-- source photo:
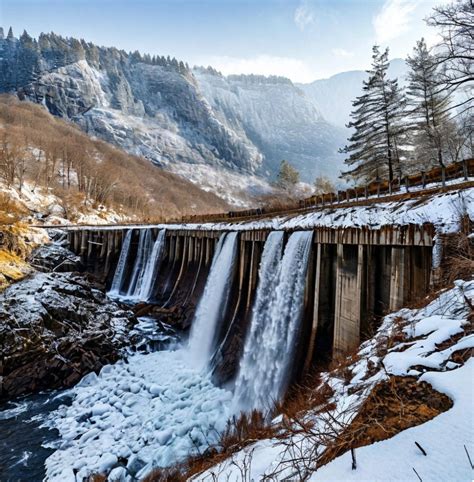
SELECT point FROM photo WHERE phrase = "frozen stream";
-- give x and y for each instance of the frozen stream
(153, 409)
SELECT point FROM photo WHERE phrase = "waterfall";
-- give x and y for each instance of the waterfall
(143, 253)
(213, 302)
(266, 363)
(151, 268)
(117, 282)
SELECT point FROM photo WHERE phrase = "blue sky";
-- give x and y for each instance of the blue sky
(301, 39)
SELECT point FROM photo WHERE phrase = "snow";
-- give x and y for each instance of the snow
(443, 210)
(443, 437)
(154, 409)
(45, 207)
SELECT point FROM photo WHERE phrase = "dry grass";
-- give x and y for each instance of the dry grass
(10, 210)
(393, 405)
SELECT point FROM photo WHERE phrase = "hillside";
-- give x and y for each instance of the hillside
(333, 96)
(53, 169)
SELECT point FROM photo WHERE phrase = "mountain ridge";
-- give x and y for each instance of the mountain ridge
(161, 109)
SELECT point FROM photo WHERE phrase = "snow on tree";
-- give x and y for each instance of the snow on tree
(287, 177)
(323, 185)
(375, 148)
(428, 108)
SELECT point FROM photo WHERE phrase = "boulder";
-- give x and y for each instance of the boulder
(54, 329)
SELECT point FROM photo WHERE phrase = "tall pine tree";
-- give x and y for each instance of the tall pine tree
(428, 107)
(375, 148)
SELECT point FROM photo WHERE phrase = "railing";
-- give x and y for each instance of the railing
(376, 189)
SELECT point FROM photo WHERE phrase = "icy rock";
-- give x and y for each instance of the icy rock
(164, 436)
(135, 463)
(107, 461)
(100, 409)
(155, 389)
(67, 316)
(134, 387)
(119, 474)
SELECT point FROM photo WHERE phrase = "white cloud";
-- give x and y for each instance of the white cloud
(295, 69)
(394, 19)
(339, 52)
(304, 15)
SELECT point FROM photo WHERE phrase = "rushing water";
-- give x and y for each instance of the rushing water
(22, 439)
(269, 347)
(145, 247)
(213, 302)
(152, 267)
(117, 282)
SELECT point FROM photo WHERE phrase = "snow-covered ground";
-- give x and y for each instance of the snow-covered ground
(45, 207)
(446, 438)
(154, 409)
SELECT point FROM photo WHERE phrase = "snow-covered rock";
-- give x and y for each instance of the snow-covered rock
(54, 328)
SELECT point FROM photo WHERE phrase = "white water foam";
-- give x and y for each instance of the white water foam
(117, 282)
(152, 267)
(145, 247)
(213, 303)
(266, 364)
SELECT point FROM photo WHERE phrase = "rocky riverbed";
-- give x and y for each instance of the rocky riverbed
(57, 326)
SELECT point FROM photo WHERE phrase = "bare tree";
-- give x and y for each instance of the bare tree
(455, 52)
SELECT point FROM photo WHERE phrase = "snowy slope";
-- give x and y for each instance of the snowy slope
(443, 437)
(443, 210)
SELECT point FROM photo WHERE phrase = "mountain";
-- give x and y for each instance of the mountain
(276, 117)
(333, 97)
(196, 123)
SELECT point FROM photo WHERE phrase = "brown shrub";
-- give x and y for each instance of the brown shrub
(393, 405)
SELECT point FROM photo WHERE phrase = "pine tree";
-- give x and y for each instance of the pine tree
(287, 177)
(375, 148)
(428, 106)
(10, 35)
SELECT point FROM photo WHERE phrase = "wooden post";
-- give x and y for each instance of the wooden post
(314, 326)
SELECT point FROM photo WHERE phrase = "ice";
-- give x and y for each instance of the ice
(151, 406)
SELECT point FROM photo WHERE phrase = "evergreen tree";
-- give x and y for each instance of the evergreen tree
(10, 35)
(375, 148)
(287, 177)
(428, 106)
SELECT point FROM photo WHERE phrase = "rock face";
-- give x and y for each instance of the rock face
(56, 256)
(162, 110)
(54, 328)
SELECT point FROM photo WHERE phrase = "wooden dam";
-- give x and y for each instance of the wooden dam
(354, 276)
